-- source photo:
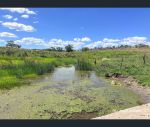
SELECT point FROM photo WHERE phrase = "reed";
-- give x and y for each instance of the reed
(84, 65)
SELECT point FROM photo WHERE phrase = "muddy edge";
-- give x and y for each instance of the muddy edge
(132, 84)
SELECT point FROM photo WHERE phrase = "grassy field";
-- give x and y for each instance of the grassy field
(129, 62)
(133, 62)
(17, 65)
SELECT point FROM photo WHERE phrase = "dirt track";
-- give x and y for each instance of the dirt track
(138, 112)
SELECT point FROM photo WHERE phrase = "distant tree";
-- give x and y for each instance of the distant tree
(141, 45)
(113, 47)
(121, 46)
(69, 48)
(126, 46)
(12, 44)
(85, 49)
(59, 49)
(53, 49)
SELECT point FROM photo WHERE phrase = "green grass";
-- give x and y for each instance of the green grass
(83, 64)
(15, 71)
(132, 65)
(38, 62)
(9, 82)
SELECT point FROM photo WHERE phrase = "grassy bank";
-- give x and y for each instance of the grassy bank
(131, 62)
(16, 71)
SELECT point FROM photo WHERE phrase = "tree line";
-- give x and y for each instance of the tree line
(69, 48)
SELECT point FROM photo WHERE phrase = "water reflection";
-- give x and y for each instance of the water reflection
(65, 77)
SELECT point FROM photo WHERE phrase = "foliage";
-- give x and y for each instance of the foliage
(85, 49)
(14, 71)
(12, 44)
(59, 49)
(83, 64)
(69, 48)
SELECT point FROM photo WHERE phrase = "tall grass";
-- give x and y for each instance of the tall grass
(84, 65)
(15, 72)
(131, 65)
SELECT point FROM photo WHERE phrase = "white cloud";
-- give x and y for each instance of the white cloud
(18, 26)
(117, 42)
(104, 43)
(25, 16)
(94, 44)
(7, 34)
(77, 43)
(19, 10)
(51, 43)
(84, 39)
(134, 41)
(30, 41)
(77, 39)
(82, 42)
(15, 19)
(7, 16)
(107, 40)
(2, 41)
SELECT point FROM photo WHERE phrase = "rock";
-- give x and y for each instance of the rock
(114, 75)
(129, 81)
(117, 75)
(113, 82)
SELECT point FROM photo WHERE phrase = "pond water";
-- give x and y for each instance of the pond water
(65, 94)
(65, 77)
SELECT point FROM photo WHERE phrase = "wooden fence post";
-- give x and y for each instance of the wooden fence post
(121, 65)
(144, 59)
(95, 61)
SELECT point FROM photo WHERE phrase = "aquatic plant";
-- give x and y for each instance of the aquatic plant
(83, 64)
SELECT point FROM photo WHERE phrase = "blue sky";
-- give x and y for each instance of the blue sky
(81, 27)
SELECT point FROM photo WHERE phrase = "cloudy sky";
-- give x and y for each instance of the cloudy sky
(82, 27)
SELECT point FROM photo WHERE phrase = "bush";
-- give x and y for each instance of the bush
(85, 49)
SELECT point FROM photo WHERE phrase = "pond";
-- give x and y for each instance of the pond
(65, 94)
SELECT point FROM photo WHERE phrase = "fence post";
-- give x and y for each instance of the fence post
(144, 59)
(121, 65)
(95, 61)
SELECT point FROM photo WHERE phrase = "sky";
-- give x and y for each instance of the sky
(40, 28)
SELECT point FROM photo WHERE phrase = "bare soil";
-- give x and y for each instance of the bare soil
(138, 112)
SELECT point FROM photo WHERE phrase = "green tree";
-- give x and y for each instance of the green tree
(85, 49)
(59, 49)
(69, 48)
(12, 44)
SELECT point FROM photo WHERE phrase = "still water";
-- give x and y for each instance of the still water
(65, 94)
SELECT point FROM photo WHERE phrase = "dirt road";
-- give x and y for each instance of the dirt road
(138, 112)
